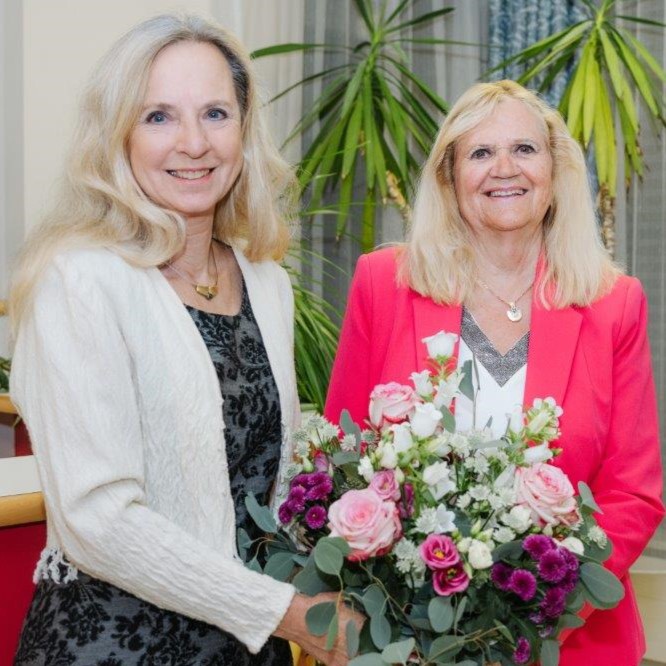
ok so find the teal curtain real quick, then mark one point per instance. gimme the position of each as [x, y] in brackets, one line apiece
[516, 24]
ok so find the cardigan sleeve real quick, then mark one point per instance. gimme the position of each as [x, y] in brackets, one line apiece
[72, 379]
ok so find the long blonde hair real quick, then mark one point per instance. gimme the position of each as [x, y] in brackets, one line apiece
[439, 260]
[100, 202]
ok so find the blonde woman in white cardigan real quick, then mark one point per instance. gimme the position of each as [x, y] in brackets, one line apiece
[154, 365]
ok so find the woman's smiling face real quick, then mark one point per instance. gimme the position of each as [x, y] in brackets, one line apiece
[503, 171]
[186, 150]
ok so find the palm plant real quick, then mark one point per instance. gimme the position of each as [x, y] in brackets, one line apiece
[609, 66]
[5, 367]
[374, 115]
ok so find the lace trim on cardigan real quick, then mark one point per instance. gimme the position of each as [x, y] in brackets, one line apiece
[53, 566]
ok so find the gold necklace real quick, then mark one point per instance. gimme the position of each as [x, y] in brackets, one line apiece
[205, 290]
[514, 313]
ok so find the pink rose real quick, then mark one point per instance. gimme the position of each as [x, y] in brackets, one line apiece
[385, 485]
[391, 403]
[449, 581]
[369, 524]
[439, 552]
[548, 493]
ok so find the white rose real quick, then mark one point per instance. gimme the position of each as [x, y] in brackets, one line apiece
[388, 458]
[518, 519]
[573, 544]
[445, 520]
[422, 383]
[464, 544]
[504, 535]
[440, 344]
[479, 555]
[402, 437]
[537, 454]
[437, 477]
[365, 469]
[425, 419]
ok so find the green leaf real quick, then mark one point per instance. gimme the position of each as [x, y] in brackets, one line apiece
[289, 47]
[374, 600]
[636, 19]
[280, 566]
[318, 617]
[329, 555]
[569, 621]
[448, 420]
[445, 647]
[370, 659]
[590, 97]
[254, 565]
[512, 550]
[380, 630]
[550, 653]
[440, 614]
[347, 424]
[351, 138]
[365, 10]
[421, 19]
[341, 458]
[587, 498]
[603, 587]
[332, 632]
[261, 515]
[309, 581]
[398, 653]
[467, 384]
[352, 636]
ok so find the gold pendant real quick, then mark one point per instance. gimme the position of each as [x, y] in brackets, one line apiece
[206, 291]
[514, 313]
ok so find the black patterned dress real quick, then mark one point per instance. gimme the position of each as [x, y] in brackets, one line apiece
[89, 622]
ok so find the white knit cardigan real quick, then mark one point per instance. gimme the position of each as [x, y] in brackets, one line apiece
[124, 411]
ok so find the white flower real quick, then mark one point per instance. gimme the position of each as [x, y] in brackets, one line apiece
[460, 445]
[479, 493]
[598, 536]
[388, 458]
[439, 446]
[504, 535]
[479, 555]
[291, 470]
[479, 463]
[505, 479]
[537, 454]
[328, 431]
[365, 468]
[425, 419]
[406, 550]
[573, 544]
[447, 390]
[445, 520]
[302, 448]
[348, 443]
[422, 383]
[516, 420]
[508, 496]
[427, 523]
[496, 502]
[518, 519]
[437, 476]
[402, 437]
[441, 344]
[464, 544]
[463, 501]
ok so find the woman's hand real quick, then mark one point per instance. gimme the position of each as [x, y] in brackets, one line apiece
[294, 628]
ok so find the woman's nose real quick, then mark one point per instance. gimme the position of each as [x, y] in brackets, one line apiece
[504, 164]
[192, 138]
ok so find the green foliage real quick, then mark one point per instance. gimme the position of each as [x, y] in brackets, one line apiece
[261, 515]
[374, 116]
[611, 66]
[329, 555]
[319, 617]
[5, 367]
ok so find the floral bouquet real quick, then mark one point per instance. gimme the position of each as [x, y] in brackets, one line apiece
[459, 548]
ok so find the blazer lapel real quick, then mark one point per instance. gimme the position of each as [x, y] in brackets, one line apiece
[430, 318]
[553, 340]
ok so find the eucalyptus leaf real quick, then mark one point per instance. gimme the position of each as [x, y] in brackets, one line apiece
[318, 617]
[398, 653]
[348, 426]
[587, 498]
[568, 621]
[467, 385]
[328, 557]
[440, 614]
[261, 515]
[512, 550]
[370, 659]
[445, 647]
[310, 581]
[603, 587]
[352, 636]
[280, 566]
[341, 458]
[332, 632]
[550, 653]
[254, 565]
[374, 600]
[380, 630]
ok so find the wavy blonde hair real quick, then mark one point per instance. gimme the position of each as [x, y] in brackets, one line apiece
[100, 203]
[438, 259]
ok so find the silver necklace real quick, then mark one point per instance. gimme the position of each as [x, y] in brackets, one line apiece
[208, 291]
[514, 313]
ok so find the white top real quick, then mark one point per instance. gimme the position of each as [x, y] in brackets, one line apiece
[124, 410]
[493, 401]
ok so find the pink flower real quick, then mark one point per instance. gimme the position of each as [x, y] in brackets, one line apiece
[385, 485]
[449, 581]
[369, 524]
[439, 552]
[548, 493]
[391, 403]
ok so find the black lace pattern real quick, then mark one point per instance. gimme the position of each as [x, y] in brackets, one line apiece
[89, 622]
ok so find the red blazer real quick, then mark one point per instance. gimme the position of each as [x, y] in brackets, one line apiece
[595, 361]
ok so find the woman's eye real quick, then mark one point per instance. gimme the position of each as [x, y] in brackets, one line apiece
[217, 114]
[480, 153]
[156, 118]
[525, 149]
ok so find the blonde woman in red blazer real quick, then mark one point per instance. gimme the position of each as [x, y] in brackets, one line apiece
[504, 227]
